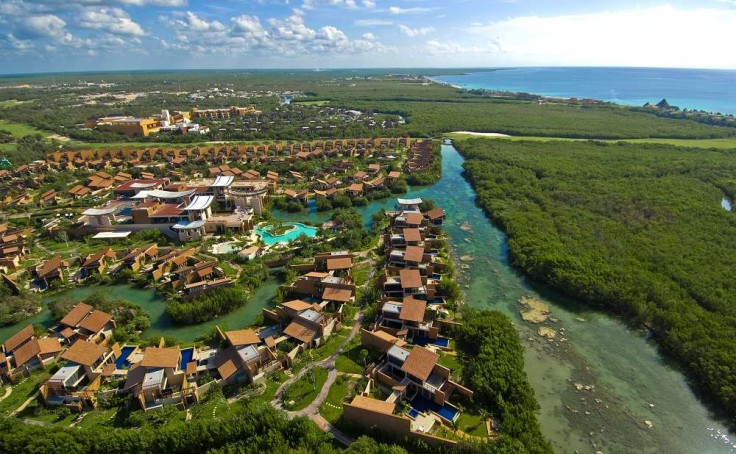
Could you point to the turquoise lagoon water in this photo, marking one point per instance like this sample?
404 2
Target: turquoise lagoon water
299 229
703 89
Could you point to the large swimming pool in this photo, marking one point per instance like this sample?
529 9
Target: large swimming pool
297 230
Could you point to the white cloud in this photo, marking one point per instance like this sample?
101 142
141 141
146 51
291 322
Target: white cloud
44 26
413 10
412 32
192 22
250 25
369 4
112 20
435 47
660 36
372 22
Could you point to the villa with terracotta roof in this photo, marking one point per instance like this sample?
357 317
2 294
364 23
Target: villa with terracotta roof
49 271
85 322
24 352
136 258
160 379
246 358
98 262
76 383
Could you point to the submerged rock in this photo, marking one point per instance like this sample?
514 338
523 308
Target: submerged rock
535 311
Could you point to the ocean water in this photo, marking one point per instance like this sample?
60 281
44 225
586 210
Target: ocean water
701 89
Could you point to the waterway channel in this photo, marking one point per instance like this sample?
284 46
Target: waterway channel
599 386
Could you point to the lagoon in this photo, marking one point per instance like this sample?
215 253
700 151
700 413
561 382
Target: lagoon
161 324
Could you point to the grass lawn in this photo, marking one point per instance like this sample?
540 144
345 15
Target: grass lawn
331 409
452 363
227 268
21 392
349 361
725 144
472 424
37 411
11 103
99 417
323 351
273 382
302 392
19 129
360 273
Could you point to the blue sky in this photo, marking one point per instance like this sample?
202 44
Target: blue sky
73 35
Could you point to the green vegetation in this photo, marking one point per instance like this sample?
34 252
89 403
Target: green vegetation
19 130
207 306
493 367
343 388
637 229
15 307
302 392
130 319
256 429
21 392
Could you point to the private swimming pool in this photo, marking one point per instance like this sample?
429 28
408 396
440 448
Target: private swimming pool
439 342
122 361
421 404
186 356
297 230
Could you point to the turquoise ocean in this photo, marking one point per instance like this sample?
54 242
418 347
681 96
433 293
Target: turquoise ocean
700 89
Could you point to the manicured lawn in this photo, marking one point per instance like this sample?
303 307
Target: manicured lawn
99 417
21 392
452 363
302 392
331 409
472 424
312 103
273 382
350 361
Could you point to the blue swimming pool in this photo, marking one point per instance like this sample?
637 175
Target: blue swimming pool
435 277
439 342
186 356
122 361
413 413
421 404
299 229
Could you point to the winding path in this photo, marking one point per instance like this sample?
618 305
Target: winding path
312 410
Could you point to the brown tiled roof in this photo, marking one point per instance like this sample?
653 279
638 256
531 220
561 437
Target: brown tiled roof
412 235
76 315
317 274
297 305
412 309
67 333
355 187
227 368
420 362
168 209
414 218
300 330
435 213
343 263
414 253
242 337
19 338
410 278
27 351
135 376
337 294
368 403
84 353
389 338
97 256
108 370
160 357
191 367
50 265
49 345
95 321
270 342
394 174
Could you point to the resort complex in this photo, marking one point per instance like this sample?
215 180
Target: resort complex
201 228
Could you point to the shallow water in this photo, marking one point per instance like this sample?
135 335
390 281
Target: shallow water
628 381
